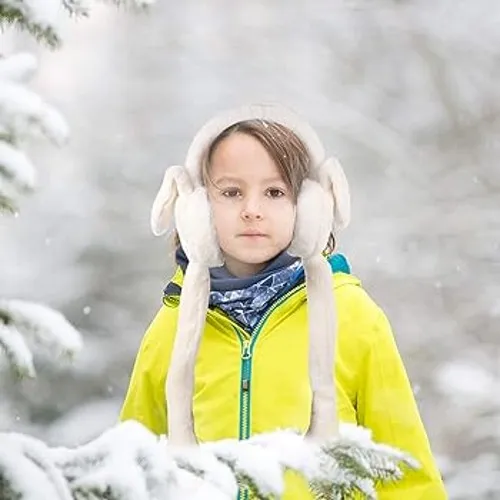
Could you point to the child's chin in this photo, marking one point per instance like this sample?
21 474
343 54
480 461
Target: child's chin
257 258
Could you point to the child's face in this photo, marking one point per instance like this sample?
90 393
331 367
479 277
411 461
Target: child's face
253 209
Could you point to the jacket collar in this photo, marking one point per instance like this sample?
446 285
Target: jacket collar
222 280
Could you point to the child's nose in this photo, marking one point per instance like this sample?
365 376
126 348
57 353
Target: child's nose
252 208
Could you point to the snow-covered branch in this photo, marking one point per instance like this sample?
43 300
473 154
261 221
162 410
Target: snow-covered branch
41 18
22 114
23 323
128 462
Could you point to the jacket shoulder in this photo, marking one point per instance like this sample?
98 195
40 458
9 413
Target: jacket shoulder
358 313
159 336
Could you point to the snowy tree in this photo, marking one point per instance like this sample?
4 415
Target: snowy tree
128 462
23 114
40 18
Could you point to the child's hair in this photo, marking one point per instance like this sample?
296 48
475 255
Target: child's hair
287 150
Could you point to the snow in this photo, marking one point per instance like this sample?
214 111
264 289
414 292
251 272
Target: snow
138 3
18 353
19 67
216 475
261 465
127 458
130 463
17 167
46 327
78 7
291 449
44 12
24 113
22 458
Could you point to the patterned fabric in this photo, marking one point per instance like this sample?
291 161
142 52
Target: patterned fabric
246 300
247 305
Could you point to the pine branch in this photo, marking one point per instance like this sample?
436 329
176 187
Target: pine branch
18 17
21 476
76 7
7 491
18 14
129 462
17 352
23 113
42 326
246 461
16 168
7 205
132 4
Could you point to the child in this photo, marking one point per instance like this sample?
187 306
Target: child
271 330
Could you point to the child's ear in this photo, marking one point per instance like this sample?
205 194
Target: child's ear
176 182
332 178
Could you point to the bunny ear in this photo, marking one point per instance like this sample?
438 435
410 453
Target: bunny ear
333 179
176 182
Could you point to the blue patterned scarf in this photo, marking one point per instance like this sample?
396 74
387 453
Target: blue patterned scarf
245 300
248 305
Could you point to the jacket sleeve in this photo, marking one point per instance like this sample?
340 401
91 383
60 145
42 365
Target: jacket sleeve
386 405
145 397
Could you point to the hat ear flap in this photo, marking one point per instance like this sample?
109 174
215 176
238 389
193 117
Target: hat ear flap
333 180
313 224
196 230
176 182
313 220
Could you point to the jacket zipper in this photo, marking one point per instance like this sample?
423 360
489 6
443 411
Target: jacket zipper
247 341
247 347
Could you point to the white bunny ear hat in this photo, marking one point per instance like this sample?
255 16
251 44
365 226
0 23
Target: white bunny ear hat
323 206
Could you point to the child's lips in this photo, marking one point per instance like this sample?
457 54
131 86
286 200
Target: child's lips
253 234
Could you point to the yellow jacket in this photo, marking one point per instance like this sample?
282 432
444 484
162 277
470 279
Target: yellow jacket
246 385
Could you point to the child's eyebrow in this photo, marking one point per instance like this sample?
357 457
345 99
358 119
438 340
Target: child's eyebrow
267 180
273 180
227 179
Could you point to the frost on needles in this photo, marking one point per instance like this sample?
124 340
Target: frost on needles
128 462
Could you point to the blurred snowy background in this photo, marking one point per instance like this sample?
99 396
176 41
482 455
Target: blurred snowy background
406 95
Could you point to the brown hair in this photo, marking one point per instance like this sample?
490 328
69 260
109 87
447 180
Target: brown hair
286 149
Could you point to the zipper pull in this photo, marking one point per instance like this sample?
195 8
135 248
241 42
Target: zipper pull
246 354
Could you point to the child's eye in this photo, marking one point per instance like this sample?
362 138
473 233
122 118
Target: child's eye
275 193
231 192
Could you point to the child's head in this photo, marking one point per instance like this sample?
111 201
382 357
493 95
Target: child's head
253 172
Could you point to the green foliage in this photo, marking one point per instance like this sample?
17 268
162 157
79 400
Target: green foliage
18 17
6 491
7 205
361 468
15 17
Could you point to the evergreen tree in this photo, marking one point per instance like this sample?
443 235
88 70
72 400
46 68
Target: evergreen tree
24 114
